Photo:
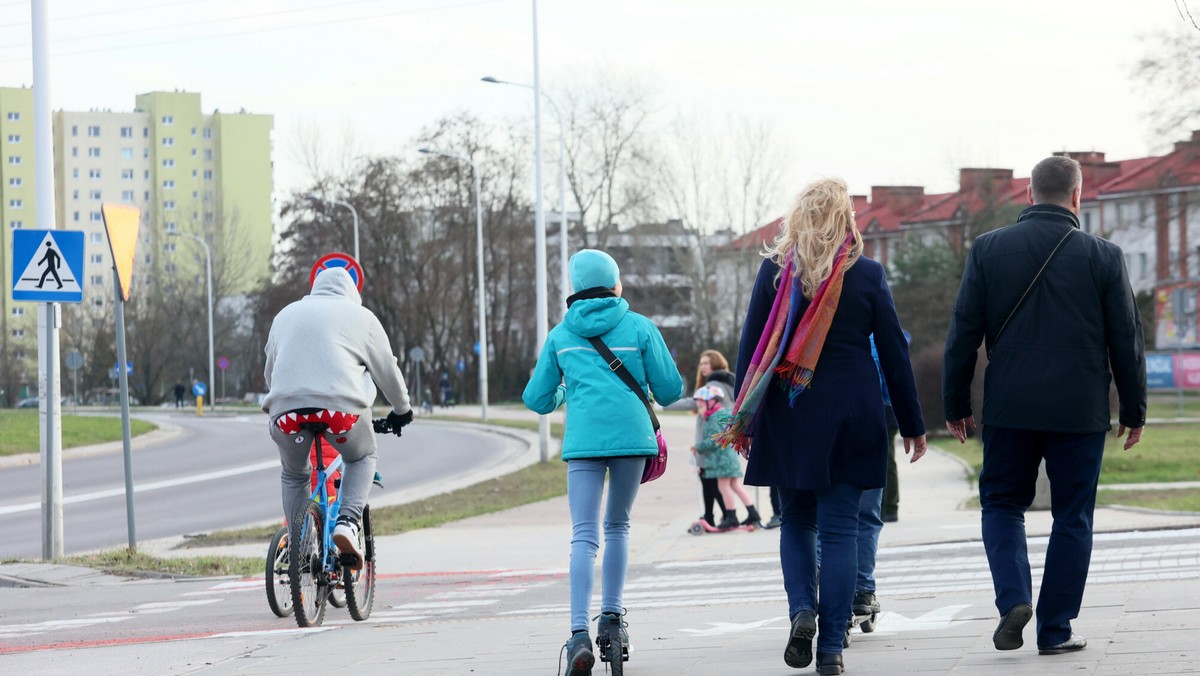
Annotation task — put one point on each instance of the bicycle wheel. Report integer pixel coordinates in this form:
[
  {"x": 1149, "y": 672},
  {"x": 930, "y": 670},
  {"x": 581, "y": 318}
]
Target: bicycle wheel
[
  {"x": 360, "y": 584},
  {"x": 305, "y": 570},
  {"x": 279, "y": 592}
]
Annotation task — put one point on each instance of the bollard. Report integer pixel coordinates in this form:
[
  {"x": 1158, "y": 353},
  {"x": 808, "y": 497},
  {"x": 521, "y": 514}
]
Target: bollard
[{"x": 200, "y": 405}]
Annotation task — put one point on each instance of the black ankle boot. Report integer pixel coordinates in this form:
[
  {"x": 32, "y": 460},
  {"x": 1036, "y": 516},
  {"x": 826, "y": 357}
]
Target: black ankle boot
[
  {"x": 752, "y": 518},
  {"x": 830, "y": 664},
  {"x": 730, "y": 521}
]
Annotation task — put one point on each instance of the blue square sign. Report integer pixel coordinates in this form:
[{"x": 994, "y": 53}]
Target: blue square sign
[{"x": 47, "y": 266}]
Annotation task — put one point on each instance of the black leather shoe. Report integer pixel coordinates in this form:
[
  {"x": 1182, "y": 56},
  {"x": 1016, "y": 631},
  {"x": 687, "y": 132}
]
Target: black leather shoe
[
  {"x": 798, "y": 653},
  {"x": 1076, "y": 642},
  {"x": 830, "y": 664},
  {"x": 1008, "y": 633}
]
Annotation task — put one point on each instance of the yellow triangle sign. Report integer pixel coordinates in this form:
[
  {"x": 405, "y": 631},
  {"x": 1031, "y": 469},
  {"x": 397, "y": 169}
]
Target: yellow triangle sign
[{"x": 122, "y": 222}]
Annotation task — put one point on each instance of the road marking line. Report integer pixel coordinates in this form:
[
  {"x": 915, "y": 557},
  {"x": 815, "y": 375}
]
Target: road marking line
[{"x": 145, "y": 488}]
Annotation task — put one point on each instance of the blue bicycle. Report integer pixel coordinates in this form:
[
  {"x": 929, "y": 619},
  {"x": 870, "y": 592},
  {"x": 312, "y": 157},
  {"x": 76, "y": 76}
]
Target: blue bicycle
[{"x": 315, "y": 566}]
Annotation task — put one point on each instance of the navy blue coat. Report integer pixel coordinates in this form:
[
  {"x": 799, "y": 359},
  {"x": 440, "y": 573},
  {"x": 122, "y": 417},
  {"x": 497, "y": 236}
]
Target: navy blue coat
[
  {"x": 1078, "y": 330},
  {"x": 835, "y": 432}
]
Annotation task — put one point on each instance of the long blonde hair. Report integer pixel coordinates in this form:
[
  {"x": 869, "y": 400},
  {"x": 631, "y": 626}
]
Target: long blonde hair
[{"x": 814, "y": 231}]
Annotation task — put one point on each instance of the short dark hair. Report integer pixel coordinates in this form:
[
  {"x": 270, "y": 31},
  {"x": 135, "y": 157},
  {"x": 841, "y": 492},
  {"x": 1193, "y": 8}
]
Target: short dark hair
[{"x": 1054, "y": 179}]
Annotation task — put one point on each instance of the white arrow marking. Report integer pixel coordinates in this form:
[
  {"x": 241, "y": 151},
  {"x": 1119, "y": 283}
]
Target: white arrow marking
[
  {"x": 939, "y": 618},
  {"x": 720, "y": 628}
]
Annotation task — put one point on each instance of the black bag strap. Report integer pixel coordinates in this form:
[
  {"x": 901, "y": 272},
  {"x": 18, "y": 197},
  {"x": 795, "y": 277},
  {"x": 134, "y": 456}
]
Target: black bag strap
[
  {"x": 1021, "y": 300},
  {"x": 618, "y": 367}
]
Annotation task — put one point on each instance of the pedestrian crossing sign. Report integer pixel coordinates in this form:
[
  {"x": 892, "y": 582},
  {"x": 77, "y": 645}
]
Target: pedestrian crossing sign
[{"x": 47, "y": 265}]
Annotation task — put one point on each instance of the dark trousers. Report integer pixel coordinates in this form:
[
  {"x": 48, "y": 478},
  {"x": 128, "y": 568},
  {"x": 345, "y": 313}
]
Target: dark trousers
[
  {"x": 1011, "y": 459},
  {"x": 891, "y": 491},
  {"x": 712, "y": 495}
]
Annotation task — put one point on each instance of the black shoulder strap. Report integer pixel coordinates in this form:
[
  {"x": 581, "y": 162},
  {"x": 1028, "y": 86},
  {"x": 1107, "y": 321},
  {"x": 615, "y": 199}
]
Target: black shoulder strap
[
  {"x": 618, "y": 367},
  {"x": 1021, "y": 300}
]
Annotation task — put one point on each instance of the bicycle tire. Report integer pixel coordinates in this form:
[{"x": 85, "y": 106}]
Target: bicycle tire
[
  {"x": 279, "y": 590},
  {"x": 305, "y": 569},
  {"x": 360, "y": 584}
]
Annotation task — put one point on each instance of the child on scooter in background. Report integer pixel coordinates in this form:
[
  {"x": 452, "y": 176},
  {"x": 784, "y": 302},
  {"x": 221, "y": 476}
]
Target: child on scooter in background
[{"x": 720, "y": 462}]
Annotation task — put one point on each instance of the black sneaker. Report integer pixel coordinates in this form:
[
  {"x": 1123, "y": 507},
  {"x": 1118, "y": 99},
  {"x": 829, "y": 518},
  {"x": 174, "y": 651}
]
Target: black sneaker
[
  {"x": 580, "y": 658},
  {"x": 865, "y": 603},
  {"x": 612, "y": 637},
  {"x": 774, "y": 522}
]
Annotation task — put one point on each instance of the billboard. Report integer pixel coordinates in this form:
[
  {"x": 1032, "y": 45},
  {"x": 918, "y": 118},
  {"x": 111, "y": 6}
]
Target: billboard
[
  {"x": 1176, "y": 323},
  {"x": 1170, "y": 371}
]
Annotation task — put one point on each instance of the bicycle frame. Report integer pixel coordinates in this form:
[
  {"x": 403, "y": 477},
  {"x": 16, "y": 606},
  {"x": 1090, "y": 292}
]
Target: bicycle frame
[{"x": 329, "y": 561}]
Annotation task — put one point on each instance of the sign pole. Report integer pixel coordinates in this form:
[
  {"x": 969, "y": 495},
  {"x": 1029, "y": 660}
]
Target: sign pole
[
  {"x": 123, "y": 378},
  {"x": 48, "y": 316}
]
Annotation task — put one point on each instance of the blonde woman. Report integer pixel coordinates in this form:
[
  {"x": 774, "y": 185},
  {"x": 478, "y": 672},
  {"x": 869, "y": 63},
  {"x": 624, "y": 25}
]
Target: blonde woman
[{"x": 809, "y": 414}]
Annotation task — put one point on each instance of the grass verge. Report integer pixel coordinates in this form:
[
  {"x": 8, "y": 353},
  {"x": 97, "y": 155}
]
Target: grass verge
[
  {"x": 1171, "y": 500},
  {"x": 1165, "y": 453},
  {"x": 122, "y": 562},
  {"x": 21, "y": 433}
]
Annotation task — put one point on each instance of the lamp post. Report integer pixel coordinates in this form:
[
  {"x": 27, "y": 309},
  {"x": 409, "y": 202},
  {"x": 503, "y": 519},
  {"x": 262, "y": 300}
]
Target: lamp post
[
  {"x": 482, "y": 301},
  {"x": 353, "y": 212},
  {"x": 208, "y": 270},
  {"x": 564, "y": 281}
]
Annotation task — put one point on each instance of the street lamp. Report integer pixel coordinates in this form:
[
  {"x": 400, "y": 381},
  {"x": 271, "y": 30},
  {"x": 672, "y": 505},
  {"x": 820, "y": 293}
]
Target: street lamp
[
  {"x": 564, "y": 281},
  {"x": 353, "y": 211},
  {"x": 483, "y": 345},
  {"x": 208, "y": 269}
]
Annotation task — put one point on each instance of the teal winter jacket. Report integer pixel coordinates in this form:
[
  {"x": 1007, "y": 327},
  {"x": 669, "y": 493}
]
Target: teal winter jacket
[{"x": 604, "y": 417}]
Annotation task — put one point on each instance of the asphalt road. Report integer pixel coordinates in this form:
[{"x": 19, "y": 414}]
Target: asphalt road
[{"x": 221, "y": 472}]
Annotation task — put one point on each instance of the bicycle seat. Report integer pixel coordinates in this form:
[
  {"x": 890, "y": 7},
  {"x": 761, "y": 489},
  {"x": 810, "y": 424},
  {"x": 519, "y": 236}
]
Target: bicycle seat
[{"x": 315, "y": 427}]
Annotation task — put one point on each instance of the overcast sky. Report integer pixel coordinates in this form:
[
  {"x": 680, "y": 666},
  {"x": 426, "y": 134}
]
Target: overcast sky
[{"x": 877, "y": 92}]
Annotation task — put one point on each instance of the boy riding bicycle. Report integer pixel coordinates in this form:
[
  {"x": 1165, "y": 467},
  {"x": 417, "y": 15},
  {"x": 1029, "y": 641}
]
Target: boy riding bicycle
[{"x": 326, "y": 354}]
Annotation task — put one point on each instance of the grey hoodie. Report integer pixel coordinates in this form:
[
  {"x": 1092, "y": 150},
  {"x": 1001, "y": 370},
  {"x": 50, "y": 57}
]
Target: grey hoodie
[{"x": 328, "y": 351}]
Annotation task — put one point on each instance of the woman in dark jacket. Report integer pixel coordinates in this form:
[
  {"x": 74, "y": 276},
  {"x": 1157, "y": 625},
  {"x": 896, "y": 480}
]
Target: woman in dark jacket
[{"x": 809, "y": 414}]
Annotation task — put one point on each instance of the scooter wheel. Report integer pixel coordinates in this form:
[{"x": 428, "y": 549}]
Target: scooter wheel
[{"x": 696, "y": 529}]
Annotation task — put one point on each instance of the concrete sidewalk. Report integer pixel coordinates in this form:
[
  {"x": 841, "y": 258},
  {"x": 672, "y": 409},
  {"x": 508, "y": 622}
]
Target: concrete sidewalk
[
  {"x": 1142, "y": 622},
  {"x": 1139, "y": 627}
]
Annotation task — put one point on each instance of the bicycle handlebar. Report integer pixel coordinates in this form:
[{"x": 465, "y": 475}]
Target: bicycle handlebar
[{"x": 381, "y": 426}]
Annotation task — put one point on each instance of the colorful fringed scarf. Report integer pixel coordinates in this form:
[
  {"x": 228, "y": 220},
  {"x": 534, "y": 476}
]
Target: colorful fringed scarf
[{"x": 796, "y": 363}]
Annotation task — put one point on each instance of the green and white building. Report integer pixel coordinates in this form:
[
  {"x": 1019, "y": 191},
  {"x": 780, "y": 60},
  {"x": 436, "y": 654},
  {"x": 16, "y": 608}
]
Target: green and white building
[{"x": 208, "y": 175}]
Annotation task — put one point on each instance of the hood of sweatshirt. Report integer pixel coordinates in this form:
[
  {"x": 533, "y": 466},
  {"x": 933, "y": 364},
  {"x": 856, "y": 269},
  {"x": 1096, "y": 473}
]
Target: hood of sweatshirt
[
  {"x": 336, "y": 282},
  {"x": 595, "y": 316}
]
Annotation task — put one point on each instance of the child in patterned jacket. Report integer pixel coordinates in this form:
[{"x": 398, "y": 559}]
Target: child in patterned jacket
[{"x": 720, "y": 462}]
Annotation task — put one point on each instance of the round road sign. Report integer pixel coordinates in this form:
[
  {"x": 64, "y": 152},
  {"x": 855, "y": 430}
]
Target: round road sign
[
  {"x": 337, "y": 259},
  {"x": 416, "y": 354},
  {"x": 74, "y": 360},
  {"x": 222, "y": 363}
]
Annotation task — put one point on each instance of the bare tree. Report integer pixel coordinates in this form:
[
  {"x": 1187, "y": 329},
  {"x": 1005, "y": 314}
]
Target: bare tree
[
  {"x": 609, "y": 161},
  {"x": 1170, "y": 74}
]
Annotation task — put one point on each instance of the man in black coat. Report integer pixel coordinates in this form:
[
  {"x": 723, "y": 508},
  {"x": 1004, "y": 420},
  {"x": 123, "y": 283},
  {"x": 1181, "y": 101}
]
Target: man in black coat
[{"x": 1053, "y": 347}]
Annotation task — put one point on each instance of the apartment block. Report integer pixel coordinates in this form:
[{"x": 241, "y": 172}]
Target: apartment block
[{"x": 208, "y": 175}]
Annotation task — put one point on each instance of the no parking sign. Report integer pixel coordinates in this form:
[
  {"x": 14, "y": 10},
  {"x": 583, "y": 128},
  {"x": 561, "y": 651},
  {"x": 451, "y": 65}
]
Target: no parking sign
[{"x": 338, "y": 259}]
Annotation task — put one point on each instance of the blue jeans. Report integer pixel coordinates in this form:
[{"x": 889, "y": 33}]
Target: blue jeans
[
  {"x": 585, "y": 484},
  {"x": 832, "y": 515},
  {"x": 870, "y": 522},
  {"x": 869, "y": 525},
  {"x": 1006, "y": 489}
]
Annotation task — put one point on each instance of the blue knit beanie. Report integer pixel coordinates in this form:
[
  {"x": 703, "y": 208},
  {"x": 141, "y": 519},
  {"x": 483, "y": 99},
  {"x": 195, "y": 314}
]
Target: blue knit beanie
[{"x": 591, "y": 268}]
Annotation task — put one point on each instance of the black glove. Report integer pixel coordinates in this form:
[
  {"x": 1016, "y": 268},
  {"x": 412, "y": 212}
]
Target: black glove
[{"x": 398, "y": 420}]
